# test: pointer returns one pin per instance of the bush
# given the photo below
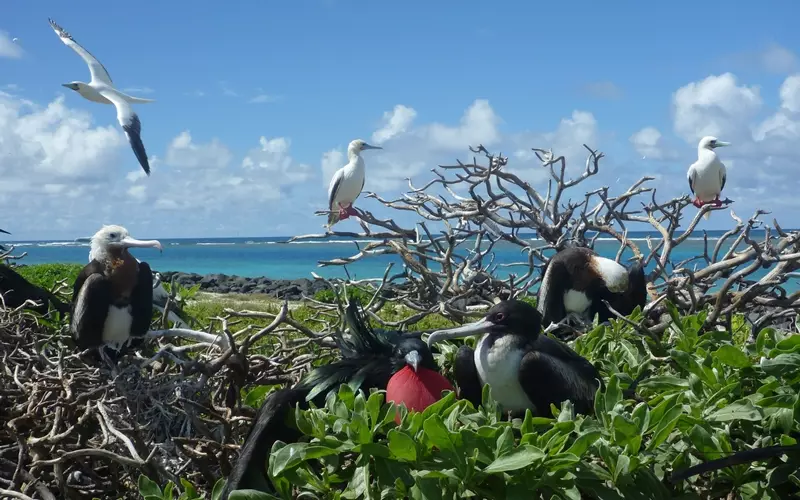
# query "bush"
(47, 275)
(701, 397)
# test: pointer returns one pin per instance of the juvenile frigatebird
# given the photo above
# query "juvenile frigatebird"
(524, 368)
(112, 301)
(577, 280)
(370, 360)
(15, 290)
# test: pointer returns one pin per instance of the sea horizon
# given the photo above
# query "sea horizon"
(275, 258)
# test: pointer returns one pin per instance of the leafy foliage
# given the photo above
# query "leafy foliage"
(700, 397)
(48, 275)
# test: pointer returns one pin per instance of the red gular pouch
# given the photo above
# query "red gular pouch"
(416, 389)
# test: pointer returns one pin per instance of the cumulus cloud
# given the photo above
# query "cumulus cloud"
(603, 90)
(185, 153)
(9, 48)
(395, 122)
(650, 143)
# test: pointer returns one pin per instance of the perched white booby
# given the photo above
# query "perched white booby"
(577, 280)
(347, 183)
(113, 294)
(707, 175)
(101, 89)
(525, 370)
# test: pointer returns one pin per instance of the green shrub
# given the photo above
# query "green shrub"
(47, 275)
(702, 396)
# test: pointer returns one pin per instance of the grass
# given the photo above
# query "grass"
(47, 275)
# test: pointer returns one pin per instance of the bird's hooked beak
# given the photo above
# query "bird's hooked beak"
(129, 242)
(719, 144)
(479, 327)
(370, 146)
(413, 359)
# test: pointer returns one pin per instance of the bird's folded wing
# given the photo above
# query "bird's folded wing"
(334, 187)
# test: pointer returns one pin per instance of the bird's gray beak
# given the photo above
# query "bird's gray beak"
(476, 328)
(413, 359)
(719, 144)
(370, 146)
(68, 85)
(129, 242)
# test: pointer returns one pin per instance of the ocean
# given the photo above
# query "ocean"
(273, 258)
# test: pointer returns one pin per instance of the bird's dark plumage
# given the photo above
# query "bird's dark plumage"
(546, 370)
(133, 129)
(15, 290)
(582, 270)
(369, 359)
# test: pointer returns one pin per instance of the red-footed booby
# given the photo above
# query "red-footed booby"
(708, 174)
(101, 89)
(347, 183)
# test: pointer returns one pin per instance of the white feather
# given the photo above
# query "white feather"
(614, 274)
(498, 367)
(117, 328)
(576, 301)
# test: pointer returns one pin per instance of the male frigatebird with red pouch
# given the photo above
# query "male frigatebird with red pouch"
(399, 362)
(525, 369)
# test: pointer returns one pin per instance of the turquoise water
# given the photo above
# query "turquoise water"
(277, 260)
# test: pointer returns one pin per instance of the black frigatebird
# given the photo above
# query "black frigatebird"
(370, 359)
(524, 368)
(577, 280)
(112, 301)
(15, 290)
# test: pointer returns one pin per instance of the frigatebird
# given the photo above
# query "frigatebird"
(15, 290)
(524, 368)
(112, 301)
(370, 359)
(577, 280)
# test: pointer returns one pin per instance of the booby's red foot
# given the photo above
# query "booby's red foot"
(351, 211)
(697, 203)
(343, 214)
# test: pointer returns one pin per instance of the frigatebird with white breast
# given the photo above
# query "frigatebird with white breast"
(347, 183)
(101, 89)
(399, 362)
(577, 281)
(708, 174)
(524, 368)
(113, 294)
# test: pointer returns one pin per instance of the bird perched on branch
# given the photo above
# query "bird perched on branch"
(347, 183)
(708, 174)
(576, 282)
(113, 294)
(101, 89)
(399, 362)
(525, 369)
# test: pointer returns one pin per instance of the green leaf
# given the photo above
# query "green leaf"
(583, 442)
(256, 396)
(740, 410)
(782, 364)
(219, 486)
(286, 458)
(147, 487)
(189, 490)
(402, 446)
(517, 459)
(250, 495)
(704, 443)
(732, 356)
(168, 490)
(438, 434)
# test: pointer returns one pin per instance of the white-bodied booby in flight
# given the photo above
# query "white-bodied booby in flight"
(525, 369)
(101, 89)
(577, 280)
(708, 174)
(113, 294)
(347, 183)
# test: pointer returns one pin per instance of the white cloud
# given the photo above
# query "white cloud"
(478, 125)
(715, 106)
(395, 122)
(9, 48)
(650, 143)
(790, 94)
(273, 161)
(778, 59)
(184, 153)
(138, 193)
(264, 98)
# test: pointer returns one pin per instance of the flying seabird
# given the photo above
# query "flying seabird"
(2, 248)
(708, 174)
(113, 294)
(101, 89)
(347, 183)
(525, 369)
(577, 280)
(370, 359)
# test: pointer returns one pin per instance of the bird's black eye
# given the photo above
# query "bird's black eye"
(499, 317)
(112, 235)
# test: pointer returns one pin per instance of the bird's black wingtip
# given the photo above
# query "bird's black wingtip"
(4, 231)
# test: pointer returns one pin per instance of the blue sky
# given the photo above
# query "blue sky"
(309, 76)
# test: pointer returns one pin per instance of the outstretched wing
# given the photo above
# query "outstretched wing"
(131, 125)
(96, 68)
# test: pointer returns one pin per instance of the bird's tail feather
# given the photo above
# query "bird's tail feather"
(707, 215)
(134, 100)
(333, 218)
(269, 426)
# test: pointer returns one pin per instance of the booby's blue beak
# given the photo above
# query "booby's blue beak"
(476, 328)
(719, 144)
(370, 146)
